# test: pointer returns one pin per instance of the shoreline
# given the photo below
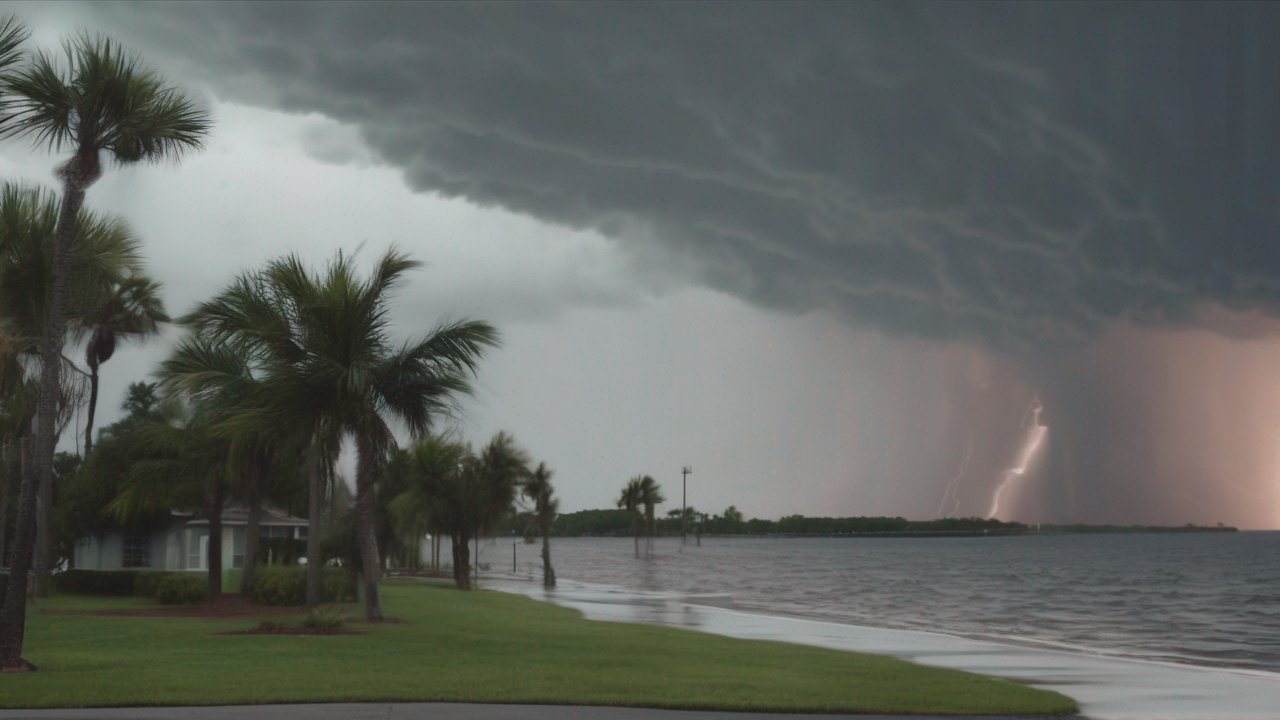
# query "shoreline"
(1106, 687)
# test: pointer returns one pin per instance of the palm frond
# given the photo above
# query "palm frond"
(12, 34)
(102, 100)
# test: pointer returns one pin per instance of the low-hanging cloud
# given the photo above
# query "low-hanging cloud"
(1022, 176)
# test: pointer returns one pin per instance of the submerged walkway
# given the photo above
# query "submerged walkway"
(438, 711)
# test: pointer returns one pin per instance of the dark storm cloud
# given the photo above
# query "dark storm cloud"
(1020, 175)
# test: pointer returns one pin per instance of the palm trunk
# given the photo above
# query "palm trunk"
(13, 618)
(367, 467)
(256, 487)
(648, 533)
(457, 559)
(548, 573)
(462, 561)
(14, 470)
(635, 531)
(314, 526)
(93, 403)
(216, 500)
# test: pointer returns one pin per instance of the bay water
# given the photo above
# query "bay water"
(1210, 600)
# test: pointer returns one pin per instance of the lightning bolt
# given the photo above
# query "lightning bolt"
(1034, 440)
(950, 492)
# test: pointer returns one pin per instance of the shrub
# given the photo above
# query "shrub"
(97, 582)
(325, 618)
(148, 583)
(280, 588)
(335, 586)
(178, 589)
(288, 586)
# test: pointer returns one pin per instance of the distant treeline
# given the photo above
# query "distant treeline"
(617, 523)
(1095, 529)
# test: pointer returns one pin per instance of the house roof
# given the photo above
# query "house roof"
(239, 515)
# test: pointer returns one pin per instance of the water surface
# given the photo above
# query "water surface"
(1206, 600)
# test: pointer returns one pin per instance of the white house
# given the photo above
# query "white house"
(182, 544)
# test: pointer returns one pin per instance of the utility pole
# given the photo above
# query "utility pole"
(684, 505)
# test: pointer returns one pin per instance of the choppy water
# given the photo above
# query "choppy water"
(1211, 600)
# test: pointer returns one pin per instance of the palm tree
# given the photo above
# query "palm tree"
(104, 101)
(465, 492)
(219, 378)
(438, 492)
(537, 487)
(650, 495)
(107, 252)
(192, 468)
(324, 345)
(130, 308)
(632, 498)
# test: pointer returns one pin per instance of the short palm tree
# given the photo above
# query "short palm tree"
(632, 499)
(220, 379)
(323, 341)
(537, 487)
(650, 496)
(103, 101)
(464, 492)
(128, 309)
(190, 468)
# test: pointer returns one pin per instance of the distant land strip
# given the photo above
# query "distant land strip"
(731, 523)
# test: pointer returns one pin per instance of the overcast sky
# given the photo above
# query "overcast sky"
(828, 255)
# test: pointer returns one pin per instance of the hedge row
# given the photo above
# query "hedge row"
(114, 583)
(180, 589)
(273, 586)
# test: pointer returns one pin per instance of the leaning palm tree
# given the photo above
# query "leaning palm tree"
(128, 309)
(106, 253)
(632, 499)
(537, 487)
(650, 495)
(323, 341)
(103, 101)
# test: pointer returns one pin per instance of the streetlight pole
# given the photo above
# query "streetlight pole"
(684, 505)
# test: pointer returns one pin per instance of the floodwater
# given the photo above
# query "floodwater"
(1132, 626)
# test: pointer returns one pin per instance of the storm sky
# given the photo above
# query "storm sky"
(830, 255)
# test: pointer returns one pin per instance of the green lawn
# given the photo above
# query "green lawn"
(483, 646)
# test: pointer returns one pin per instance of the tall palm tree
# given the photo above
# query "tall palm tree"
(537, 487)
(632, 499)
(130, 308)
(107, 252)
(650, 495)
(324, 342)
(103, 101)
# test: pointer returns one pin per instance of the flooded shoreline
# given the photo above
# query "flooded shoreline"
(1107, 688)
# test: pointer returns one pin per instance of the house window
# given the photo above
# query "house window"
(193, 551)
(136, 551)
(237, 547)
(275, 531)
